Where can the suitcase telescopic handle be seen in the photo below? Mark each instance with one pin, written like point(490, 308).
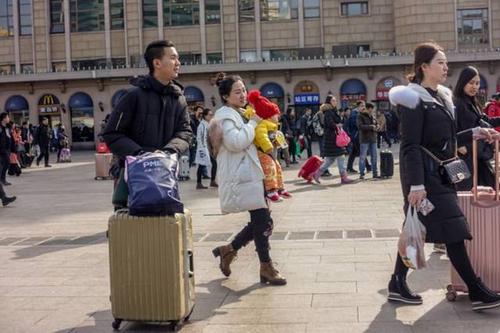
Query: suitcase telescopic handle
point(475, 171)
point(191, 263)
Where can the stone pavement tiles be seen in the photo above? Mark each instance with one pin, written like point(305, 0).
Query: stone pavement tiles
point(336, 246)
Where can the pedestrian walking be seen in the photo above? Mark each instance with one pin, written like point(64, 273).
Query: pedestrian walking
point(5, 147)
point(470, 115)
point(203, 159)
point(240, 178)
point(382, 129)
point(43, 139)
point(306, 131)
point(367, 125)
point(332, 152)
point(428, 120)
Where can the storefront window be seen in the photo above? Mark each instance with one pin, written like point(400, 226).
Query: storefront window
point(190, 58)
point(82, 117)
point(116, 13)
point(27, 69)
point(149, 14)
point(473, 27)
point(25, 17)
point(6, 19)
point(212, 11)
point(87, 15)
point(246, 10)
point(278, 9)
point(7, 69)
point(181, 12)
point(56, 16)
point(214, 58)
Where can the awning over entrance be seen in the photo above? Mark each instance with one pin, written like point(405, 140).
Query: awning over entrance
point(353, 87)
point(16, 103)
point(80, 100)
point(272, 90)
point(193, 94)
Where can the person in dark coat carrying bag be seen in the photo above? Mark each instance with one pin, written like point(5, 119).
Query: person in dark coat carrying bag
point(428, 126)
point(332, 152)
point(153, 115)
point(469, 115)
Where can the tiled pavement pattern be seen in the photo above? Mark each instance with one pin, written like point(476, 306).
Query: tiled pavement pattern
point(336, 246)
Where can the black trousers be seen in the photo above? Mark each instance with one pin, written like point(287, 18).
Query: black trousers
point(308, 145)
point(259, 229)
point(214, 168)
point(44, 153)
point(4, 166)
point(458, 258)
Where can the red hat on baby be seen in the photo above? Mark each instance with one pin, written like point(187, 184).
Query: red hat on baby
point(264, 108)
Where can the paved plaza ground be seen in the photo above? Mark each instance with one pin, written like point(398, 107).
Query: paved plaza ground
point(336, 245)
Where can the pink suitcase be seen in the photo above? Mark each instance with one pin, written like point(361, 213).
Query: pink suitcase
point(482, 210)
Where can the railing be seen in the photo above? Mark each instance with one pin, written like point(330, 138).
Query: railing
point(371, 59)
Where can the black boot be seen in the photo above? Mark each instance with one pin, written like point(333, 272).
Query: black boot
point(399, 291)
point(482, 297)
point(8, 200)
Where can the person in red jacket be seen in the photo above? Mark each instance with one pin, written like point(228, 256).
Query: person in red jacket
point(492, 108)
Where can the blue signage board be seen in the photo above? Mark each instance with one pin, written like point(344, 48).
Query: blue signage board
point(306, 99)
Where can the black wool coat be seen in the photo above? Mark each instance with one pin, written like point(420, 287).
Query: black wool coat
point(470, 116)
point(430, 122)
point(330, 148)
point(149, 117)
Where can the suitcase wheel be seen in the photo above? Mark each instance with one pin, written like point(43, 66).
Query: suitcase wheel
point(189, 315)
point(451, 294)
point(116, 324)
point(174, 326)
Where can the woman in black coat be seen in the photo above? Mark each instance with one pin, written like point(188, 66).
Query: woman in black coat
point(428, 121)
point(332, 152)
point(469, 115)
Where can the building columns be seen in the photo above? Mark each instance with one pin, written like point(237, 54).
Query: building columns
point(15, 21)
point(301, 24)
point(159, 9)
point(67, 34)
point(107, 32)
point(258, 31)
point(203, 33)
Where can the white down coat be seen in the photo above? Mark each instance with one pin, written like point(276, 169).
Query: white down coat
point(239, 174)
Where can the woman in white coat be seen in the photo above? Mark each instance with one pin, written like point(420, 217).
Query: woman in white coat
point(203, 158)
point(240, 178)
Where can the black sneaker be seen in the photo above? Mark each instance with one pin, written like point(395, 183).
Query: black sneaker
point(326, 174)
point(6, 183)
point(399, 292)
point(483, 298)
point(352, 171)
point(361, 177)
point(8, 200)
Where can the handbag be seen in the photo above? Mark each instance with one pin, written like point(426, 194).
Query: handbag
point(342, 140)
point(454, 169)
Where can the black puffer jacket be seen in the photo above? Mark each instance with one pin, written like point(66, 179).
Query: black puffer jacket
point(367, 126)
point(149, 117)
point(332, 119)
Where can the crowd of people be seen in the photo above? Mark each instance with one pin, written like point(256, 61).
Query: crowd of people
point(21, 144)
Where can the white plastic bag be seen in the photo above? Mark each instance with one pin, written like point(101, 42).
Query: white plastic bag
point(412, 241)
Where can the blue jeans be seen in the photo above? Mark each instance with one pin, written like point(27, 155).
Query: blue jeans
point(364, 149)
point(329, 160)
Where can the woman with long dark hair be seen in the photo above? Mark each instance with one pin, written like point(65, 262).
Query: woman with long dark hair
point(469, 115)
point(240, 178)
point(429, 131)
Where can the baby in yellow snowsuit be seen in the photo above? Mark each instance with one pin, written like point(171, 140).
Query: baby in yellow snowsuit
point(266, 140)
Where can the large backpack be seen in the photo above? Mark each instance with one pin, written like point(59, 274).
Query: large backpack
point(316, 124)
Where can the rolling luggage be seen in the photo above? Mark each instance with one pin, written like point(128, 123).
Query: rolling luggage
point(65, 156)
point(184, 169)
point(310, 167)
point(481, 207)
point(151, 268)
point(386, 164)
point(102, 166)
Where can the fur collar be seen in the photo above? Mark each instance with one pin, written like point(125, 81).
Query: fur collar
point(411, 95)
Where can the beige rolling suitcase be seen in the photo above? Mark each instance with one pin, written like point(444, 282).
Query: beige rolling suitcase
point(482, 210)
point(151, 268)
point(102, 165)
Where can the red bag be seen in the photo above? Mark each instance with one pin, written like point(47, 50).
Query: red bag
point(13, 158)
point(102, 148)
point(310, 167)
point(342, 140)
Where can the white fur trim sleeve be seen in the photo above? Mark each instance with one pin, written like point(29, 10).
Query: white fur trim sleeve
point(415, 188)
point(402, 95)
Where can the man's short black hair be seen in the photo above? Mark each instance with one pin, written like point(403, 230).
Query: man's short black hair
point(496, 95)
point(3, 115)
point(156, 50)
point(358, 103)
point(369, 105)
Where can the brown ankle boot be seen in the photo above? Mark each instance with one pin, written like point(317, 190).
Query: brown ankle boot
point(227, 254)
point(270, 274)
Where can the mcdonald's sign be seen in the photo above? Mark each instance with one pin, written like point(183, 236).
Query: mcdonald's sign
point(48, 104)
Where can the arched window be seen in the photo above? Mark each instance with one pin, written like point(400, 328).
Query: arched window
point(82, 117)
point(18, 108)
point(352, 91)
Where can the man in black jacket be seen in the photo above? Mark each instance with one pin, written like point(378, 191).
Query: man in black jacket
point(367, 125)
point(5, 145)
point(153, 115)
point(43, 140)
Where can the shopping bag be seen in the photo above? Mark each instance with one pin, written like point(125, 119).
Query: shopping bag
point(412, 241)
point(153, 188)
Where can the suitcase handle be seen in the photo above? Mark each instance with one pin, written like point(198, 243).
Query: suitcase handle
point(475, 176)
point(191, 263)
